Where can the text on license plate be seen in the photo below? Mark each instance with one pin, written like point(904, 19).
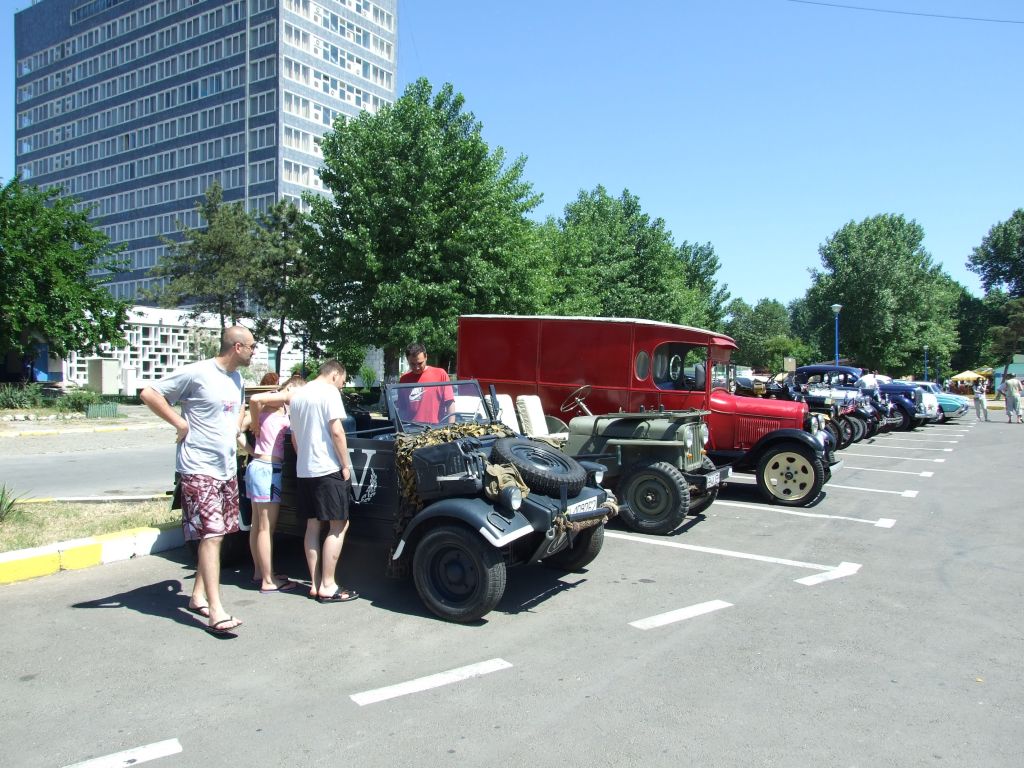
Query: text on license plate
point(712, 479)
point(583, 506)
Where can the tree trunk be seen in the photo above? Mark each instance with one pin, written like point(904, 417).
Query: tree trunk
point(391, 357)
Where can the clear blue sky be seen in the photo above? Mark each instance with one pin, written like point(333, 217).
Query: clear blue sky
point(760, 126)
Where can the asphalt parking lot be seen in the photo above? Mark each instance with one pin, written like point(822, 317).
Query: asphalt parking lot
point(880, 627)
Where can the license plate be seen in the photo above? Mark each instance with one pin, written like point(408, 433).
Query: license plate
point(712, 479)
point(582, 506)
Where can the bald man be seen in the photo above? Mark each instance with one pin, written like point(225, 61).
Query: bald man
point(210, 394)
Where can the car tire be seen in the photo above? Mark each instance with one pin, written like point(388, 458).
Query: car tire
point(859, 428)
point(833, 429)
point(585, 547)
point(543, 468)
point(906, 422)
point(845, 432)
point(656, 496)
point(790, 475)
point(699, 503)
point(458, 576)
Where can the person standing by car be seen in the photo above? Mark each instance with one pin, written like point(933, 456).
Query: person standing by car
point(211, 396)
point(268, 412)
point(426, 404)
point(1011, 390)
point(980, 404)
point(323, 473)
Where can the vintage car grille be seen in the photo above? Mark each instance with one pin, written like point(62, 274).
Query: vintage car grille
point(695, 454)
point(750, 429)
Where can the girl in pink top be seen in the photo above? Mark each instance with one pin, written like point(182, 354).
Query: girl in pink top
point(268, 414)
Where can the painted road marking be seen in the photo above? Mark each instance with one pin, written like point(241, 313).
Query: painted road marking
point(843, 569)
point(907, 448)
point(741, 555)
point(880, 523)
point(904, 494)
point(919, 440)
point(882, 456)
point(133, 756)
point(892, 471)
point(428, 682)
point(652, 622)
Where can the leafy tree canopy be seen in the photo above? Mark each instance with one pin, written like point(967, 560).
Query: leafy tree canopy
point(48, 252)
point(764, 335)
point(999, 260)
point(700, 265)
point(208, 269)
point(610, 259)
point(426, 223)
point(894, 298)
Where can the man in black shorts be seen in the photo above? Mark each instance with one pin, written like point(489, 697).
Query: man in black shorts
point(324, 476)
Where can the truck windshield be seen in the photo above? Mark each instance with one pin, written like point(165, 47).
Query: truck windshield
point(429, 404)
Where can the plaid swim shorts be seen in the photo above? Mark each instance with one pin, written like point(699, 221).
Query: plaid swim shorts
point(209, 507)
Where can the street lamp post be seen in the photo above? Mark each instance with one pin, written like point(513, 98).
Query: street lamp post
point(835, 309)
point(926, 362)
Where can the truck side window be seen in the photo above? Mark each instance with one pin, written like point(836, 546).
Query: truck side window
point(679, 367)
point(642, 365)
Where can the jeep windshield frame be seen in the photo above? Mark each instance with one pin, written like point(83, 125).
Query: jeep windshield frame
point(416, 406)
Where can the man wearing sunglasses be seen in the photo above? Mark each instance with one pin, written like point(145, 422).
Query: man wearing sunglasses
point(210, 395)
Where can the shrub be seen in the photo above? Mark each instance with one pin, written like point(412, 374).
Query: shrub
point(77, 400)
point(312, 369)
point(369, 376)
point(18, 396)
point(7, 502)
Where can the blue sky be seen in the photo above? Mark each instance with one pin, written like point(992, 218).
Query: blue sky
point(760, 126)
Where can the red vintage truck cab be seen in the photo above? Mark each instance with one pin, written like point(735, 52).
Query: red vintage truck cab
point(633, 365)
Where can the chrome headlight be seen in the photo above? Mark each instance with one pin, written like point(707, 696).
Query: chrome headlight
point(511, 497)
point(705, 433)
point(688, 438)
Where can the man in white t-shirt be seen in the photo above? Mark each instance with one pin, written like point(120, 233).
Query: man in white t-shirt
point(323, 475)
point(210, 395)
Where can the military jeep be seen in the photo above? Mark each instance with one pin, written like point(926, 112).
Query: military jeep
point(460, 498)
point(654, 460)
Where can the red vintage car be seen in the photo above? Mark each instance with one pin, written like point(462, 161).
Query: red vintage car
point(635, 365)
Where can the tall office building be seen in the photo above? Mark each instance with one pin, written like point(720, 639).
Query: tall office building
point(135, 107)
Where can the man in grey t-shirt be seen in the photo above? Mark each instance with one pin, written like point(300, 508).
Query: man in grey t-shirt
point(210, 395)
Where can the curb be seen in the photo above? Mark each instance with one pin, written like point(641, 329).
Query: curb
point(79, 431)
point(93, 499)
point(24, 564)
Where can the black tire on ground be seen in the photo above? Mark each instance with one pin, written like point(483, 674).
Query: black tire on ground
point(790, 474)
point(833, 429)
point(656, 496)
point(845, 432)
point(699, 503)
point(458, 576)
point(872, 428)
point(543, 468)
point(585, 548)
point(906, 422)
point(859, 429)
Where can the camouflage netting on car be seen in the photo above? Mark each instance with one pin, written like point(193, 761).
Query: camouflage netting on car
point(409, 499)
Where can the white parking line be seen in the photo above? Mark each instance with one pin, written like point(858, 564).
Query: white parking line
point(904, 494)
point(133, 756)
point(883, 456)
point(652, 622)
point(919, 440)
point(843, 569)
point(731, 553)
point(428, 682)
point(892, 471)
point(880, 523)
point(905, 448)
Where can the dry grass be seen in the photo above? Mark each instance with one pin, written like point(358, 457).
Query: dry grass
point(34, 525)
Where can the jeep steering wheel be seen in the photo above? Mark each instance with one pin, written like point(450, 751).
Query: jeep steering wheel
point(575, 400)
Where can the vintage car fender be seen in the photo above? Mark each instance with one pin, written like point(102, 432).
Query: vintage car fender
point(812, 442)
point(498, 527)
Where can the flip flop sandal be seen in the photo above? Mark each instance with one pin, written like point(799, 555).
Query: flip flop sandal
point(288, 586)
point(341, 596)
point(200, 610)
point(217, 629)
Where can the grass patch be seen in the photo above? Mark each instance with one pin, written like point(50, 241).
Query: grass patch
point(35, 525)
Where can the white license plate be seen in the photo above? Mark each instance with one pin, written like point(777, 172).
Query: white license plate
point(712, 479)
point(582, 506)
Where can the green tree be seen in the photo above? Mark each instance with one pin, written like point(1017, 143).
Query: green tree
point(208, 270)
point(999, 260)
point(53, 263)
point(974, 319)
point(610, 259)
point(763, 334)
point(426, 223)
point(894, 298)
point(700, 265)
point(1007, 339)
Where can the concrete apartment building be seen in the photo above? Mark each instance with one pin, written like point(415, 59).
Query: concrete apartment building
point(136, 107)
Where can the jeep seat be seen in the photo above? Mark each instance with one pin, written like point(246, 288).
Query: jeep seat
point(535, 423)
point(507, 413)
point(467, 408)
